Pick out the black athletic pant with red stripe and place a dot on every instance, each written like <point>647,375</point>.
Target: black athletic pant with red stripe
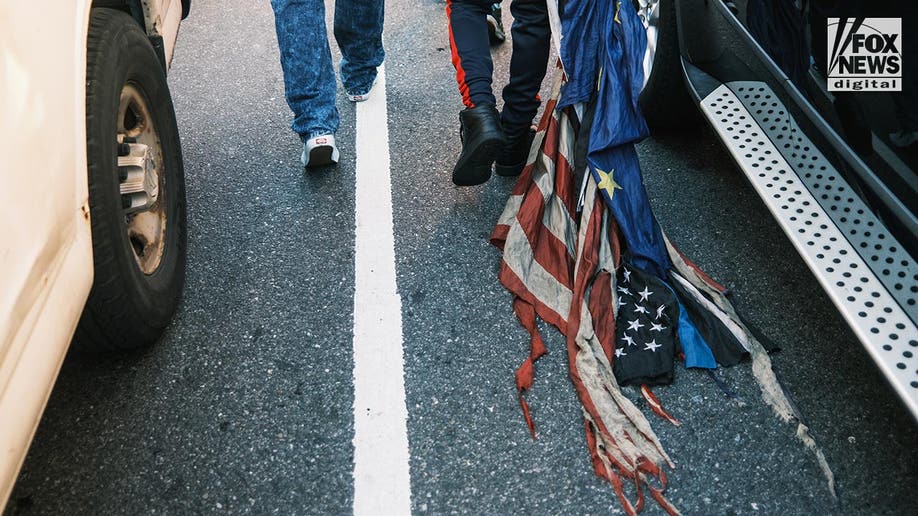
<point>531,36</point>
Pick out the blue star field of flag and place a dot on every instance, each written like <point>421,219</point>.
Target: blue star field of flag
<point>645,329</point>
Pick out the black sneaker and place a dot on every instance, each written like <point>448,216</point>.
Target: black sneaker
<point>482,138</point>
<point>495,26</point>
<point>512,158</point>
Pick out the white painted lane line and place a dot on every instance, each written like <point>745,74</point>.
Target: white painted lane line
<point>381,479</point>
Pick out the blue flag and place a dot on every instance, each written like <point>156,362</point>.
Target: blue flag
<point>605,66</point>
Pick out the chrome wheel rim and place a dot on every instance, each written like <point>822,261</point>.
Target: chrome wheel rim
<point>141,177</point>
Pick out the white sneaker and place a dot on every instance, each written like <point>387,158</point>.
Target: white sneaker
<point>320,151</point>
<point>359,97</point>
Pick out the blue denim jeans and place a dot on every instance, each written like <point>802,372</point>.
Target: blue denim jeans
<point>309,77</point>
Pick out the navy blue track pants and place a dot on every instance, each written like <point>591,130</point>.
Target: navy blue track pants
<point>471,54</point>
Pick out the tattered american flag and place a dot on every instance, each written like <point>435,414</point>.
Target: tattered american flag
<point>566,267</point>
<point>548,264</point>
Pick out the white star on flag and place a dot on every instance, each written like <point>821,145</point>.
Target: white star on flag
<point>621,302</point>
<point>635,325</point>
<point>660,311</point>
<point>652,346</point>
<point>656,327</point>
<point>627,274</point>
<point>627,338</point>
<point>638,309</point>
<point>620,353</point>
<point>624,290</point>
<point>645,294</point>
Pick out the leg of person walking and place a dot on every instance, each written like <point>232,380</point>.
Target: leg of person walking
<point>482,137</point>
<point>358,31</point>
<point>531,35</point>
<point>309,78</point>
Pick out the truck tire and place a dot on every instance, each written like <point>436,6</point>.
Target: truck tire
<point>136,189</point>
<point>665,100</point>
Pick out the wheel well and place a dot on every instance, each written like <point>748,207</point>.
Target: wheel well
<point>136,11</point>
<point>131,7</point>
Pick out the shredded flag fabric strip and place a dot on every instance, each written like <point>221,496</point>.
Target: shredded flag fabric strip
<point>583,251</point>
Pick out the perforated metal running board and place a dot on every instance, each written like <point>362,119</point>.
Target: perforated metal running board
<point>888,260</point>
<point>847,248</point>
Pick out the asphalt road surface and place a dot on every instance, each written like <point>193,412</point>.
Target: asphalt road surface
<point>246,405</point>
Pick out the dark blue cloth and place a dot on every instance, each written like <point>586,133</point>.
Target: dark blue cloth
<point>609,62</point>
<point>582,26</point>
<point>631,207</point>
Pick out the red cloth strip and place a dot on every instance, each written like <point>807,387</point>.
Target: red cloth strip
<point>525,373</point>
<point>656,406</point>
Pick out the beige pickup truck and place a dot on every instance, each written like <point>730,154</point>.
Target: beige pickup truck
<point>92,199</point>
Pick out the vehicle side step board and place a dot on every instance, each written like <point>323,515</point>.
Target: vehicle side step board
<point>888,260</point>
<point>827,224</point>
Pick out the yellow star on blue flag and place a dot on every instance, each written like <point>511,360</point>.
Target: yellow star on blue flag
<point>606,183</point>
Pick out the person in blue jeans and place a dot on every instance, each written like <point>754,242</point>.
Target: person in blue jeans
<point>309,76</point>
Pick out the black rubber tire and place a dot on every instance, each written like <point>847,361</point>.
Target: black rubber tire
<point>126,308</point>
<point>665,100</point>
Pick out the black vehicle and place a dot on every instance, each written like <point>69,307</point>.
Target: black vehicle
<point>835,168</point>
